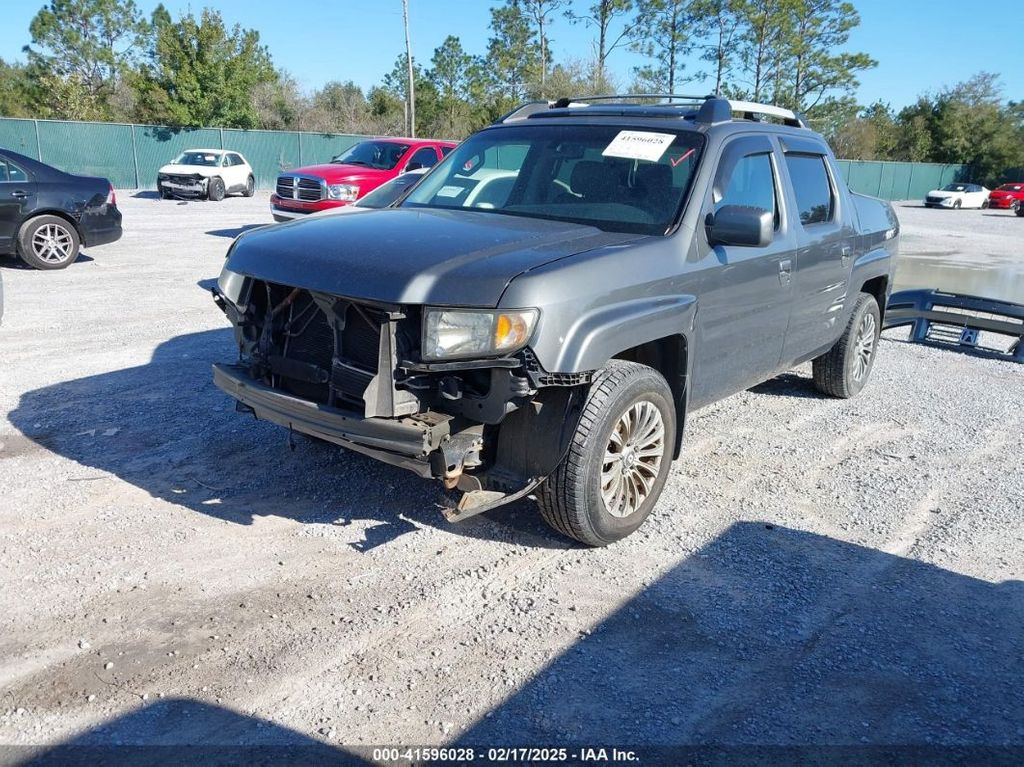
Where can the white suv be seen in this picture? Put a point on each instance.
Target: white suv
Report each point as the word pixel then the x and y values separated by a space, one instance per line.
pixel 209 173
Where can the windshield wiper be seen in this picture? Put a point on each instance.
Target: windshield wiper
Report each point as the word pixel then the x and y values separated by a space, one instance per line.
pixel 351 162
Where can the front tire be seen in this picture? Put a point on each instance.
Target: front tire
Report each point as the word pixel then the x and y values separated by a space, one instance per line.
pixel 956 204
pixel 215 190
pixel 843 370
pixel 48 242
pixel 619 458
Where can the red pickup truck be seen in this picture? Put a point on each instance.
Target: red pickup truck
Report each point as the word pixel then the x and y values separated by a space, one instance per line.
pixel 350 175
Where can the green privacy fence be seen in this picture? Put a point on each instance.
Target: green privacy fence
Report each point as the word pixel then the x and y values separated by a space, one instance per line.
pixel 900 180
pixel 129 155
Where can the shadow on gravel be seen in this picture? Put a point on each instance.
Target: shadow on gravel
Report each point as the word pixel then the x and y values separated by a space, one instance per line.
pixel 13 262
pixel 767 646
pixel 147 195
pixel 789 385
pixel 781 637
pixel 235 231
pixel 183 731
pixel 167 429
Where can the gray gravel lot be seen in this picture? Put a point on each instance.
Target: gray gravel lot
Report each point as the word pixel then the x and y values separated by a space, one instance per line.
pixel 818 571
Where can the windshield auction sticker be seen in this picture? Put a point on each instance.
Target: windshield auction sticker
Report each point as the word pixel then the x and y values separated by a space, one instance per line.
pixel 639 145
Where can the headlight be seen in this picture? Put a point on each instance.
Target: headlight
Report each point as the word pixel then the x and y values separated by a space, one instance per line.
pixel 342 192
pixel 230 285
pixel 459 333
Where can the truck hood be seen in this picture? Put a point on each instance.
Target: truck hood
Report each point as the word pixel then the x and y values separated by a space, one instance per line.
pixel 190 170
pixel 411 256
pixel 333 173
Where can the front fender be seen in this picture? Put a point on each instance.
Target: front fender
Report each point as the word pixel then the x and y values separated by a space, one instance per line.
pixel 598 335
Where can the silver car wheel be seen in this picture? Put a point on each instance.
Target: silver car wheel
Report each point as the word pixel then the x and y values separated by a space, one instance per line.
pixel 863 347
pixel 632 459
pixel 53 243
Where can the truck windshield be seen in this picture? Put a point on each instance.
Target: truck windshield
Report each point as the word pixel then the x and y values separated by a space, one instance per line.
pixel 382 155
pixel 616 179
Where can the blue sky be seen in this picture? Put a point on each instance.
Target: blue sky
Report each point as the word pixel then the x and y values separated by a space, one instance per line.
pixel 920 44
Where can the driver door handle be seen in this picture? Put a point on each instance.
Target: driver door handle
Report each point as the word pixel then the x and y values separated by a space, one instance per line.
pixel 20 194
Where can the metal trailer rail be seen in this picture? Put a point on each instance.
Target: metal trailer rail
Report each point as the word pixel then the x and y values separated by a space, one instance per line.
pixel 952 320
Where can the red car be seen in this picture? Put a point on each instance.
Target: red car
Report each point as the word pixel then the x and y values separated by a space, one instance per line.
pixel 1006 196
pixel 350 175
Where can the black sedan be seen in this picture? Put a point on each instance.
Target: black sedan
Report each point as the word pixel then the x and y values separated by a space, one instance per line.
pixel 47 215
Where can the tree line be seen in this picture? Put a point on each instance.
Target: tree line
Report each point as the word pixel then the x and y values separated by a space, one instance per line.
pixel 104 60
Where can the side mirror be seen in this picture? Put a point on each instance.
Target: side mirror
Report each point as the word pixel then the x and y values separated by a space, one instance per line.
pixel 741 225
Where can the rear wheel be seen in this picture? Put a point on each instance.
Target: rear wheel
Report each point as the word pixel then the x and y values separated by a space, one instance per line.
pixel 250 187
pixel 215 190
pixel 984 204
pixel 48 242
pixel 843 370
pixel 619 458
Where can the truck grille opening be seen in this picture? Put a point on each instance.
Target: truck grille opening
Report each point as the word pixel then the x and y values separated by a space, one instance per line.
pixel 312 364
pixel 299 188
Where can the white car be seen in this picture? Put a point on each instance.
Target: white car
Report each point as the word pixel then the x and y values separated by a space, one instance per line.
pixel 958 196
pixel 209 173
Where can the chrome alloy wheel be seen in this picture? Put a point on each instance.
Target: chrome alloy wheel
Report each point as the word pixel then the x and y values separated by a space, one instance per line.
pixel 632 459
pixel 863 348
pixel 52 243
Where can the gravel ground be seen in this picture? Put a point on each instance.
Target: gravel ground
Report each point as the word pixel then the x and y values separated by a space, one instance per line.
pixel 817 571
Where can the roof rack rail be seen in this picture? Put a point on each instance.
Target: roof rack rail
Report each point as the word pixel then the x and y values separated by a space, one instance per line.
pixel 663 96
pixel 713 109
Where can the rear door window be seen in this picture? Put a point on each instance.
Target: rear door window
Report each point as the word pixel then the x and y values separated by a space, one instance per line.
pixel 426 157
pixel 815 198
pixel 11 172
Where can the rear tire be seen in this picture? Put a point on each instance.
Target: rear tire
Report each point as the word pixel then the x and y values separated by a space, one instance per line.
pixel 48 242
pixel 215 190
pixel 250 187
pixel 843 370
pixel 619 458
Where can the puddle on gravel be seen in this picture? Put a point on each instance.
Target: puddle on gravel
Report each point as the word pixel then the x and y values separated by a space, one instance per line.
pixel 996 277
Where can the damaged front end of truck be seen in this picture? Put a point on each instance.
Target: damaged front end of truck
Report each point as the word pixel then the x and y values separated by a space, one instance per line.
pixel 355 373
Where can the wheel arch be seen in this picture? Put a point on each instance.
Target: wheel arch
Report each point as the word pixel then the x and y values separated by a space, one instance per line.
pixel 670 356
pixel 879 288
pixel 52 212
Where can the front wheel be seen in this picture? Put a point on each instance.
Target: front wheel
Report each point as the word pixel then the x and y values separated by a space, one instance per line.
pixel 215 191
pixel 619 458
pixel 843 370
pixel 956 204
pixel 48 242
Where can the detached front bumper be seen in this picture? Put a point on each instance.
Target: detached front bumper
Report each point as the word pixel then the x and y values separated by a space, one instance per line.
pixel 406 442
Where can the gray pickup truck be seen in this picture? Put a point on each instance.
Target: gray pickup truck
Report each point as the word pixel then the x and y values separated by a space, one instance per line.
pixel 541 313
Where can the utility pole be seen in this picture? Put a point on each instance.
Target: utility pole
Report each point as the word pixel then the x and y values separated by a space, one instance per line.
pixel 411 87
